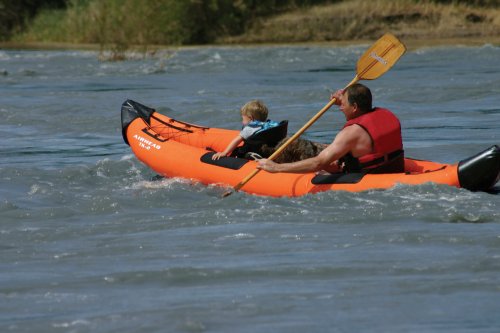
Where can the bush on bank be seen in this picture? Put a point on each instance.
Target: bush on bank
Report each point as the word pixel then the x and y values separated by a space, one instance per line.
pixel 164 22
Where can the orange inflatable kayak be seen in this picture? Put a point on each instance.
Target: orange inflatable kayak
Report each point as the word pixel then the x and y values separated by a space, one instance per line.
pixel 174 148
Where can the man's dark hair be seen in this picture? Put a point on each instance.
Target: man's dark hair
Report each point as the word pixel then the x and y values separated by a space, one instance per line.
pixel 361 95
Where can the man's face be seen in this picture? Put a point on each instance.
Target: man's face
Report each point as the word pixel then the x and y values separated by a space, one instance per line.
pixel 347 108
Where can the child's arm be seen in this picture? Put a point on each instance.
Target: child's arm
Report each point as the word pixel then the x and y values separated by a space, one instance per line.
pixel 236 141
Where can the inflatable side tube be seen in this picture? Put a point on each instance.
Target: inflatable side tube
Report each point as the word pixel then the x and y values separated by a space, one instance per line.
pixel 132 110
pixel 481 171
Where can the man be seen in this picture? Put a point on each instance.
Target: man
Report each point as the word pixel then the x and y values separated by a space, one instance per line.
pixel 370 141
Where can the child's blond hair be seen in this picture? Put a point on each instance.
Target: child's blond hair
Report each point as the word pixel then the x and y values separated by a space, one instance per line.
pixel 256 110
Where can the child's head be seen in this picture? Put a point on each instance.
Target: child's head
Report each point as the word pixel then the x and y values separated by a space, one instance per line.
pixel 255 110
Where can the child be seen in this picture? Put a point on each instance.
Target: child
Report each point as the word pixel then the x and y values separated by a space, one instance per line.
pixel 254 118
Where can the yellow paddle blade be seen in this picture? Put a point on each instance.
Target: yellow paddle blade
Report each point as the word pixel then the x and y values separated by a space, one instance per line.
pixel 380 57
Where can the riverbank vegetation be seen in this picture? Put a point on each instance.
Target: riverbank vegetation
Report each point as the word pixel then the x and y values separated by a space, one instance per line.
pixel 358 19
pixel 121 24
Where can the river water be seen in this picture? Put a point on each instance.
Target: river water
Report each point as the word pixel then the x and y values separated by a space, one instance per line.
pixel 90 243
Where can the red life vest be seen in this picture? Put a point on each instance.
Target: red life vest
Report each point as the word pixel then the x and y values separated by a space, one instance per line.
pixel 385 130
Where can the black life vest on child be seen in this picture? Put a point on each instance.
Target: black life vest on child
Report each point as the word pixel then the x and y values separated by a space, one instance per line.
pixel 268 135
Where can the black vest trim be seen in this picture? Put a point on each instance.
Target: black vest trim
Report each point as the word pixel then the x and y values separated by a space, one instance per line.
pixel 389 163
pixel 383 159
pixel 270 137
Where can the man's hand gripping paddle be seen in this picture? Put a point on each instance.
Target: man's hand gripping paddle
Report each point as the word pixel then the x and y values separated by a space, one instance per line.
pixel 377 60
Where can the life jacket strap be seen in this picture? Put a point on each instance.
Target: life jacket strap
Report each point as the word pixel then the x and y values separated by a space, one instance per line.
pixel 382 159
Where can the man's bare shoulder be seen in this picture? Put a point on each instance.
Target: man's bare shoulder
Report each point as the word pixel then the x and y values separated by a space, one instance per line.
pixel 354 131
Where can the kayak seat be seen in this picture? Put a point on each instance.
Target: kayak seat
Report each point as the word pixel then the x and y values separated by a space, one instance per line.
pixel 269 137
pixel 225 162
pixel 338 178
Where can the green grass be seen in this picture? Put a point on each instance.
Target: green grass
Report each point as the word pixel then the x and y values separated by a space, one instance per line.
pixel 48 26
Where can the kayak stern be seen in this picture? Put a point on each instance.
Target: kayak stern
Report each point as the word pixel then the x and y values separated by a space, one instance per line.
pixel 481 171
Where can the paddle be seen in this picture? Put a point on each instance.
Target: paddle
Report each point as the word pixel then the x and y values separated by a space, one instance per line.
pixel 377 60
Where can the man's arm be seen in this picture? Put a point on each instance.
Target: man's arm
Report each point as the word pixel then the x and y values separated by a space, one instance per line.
pixel 343 143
